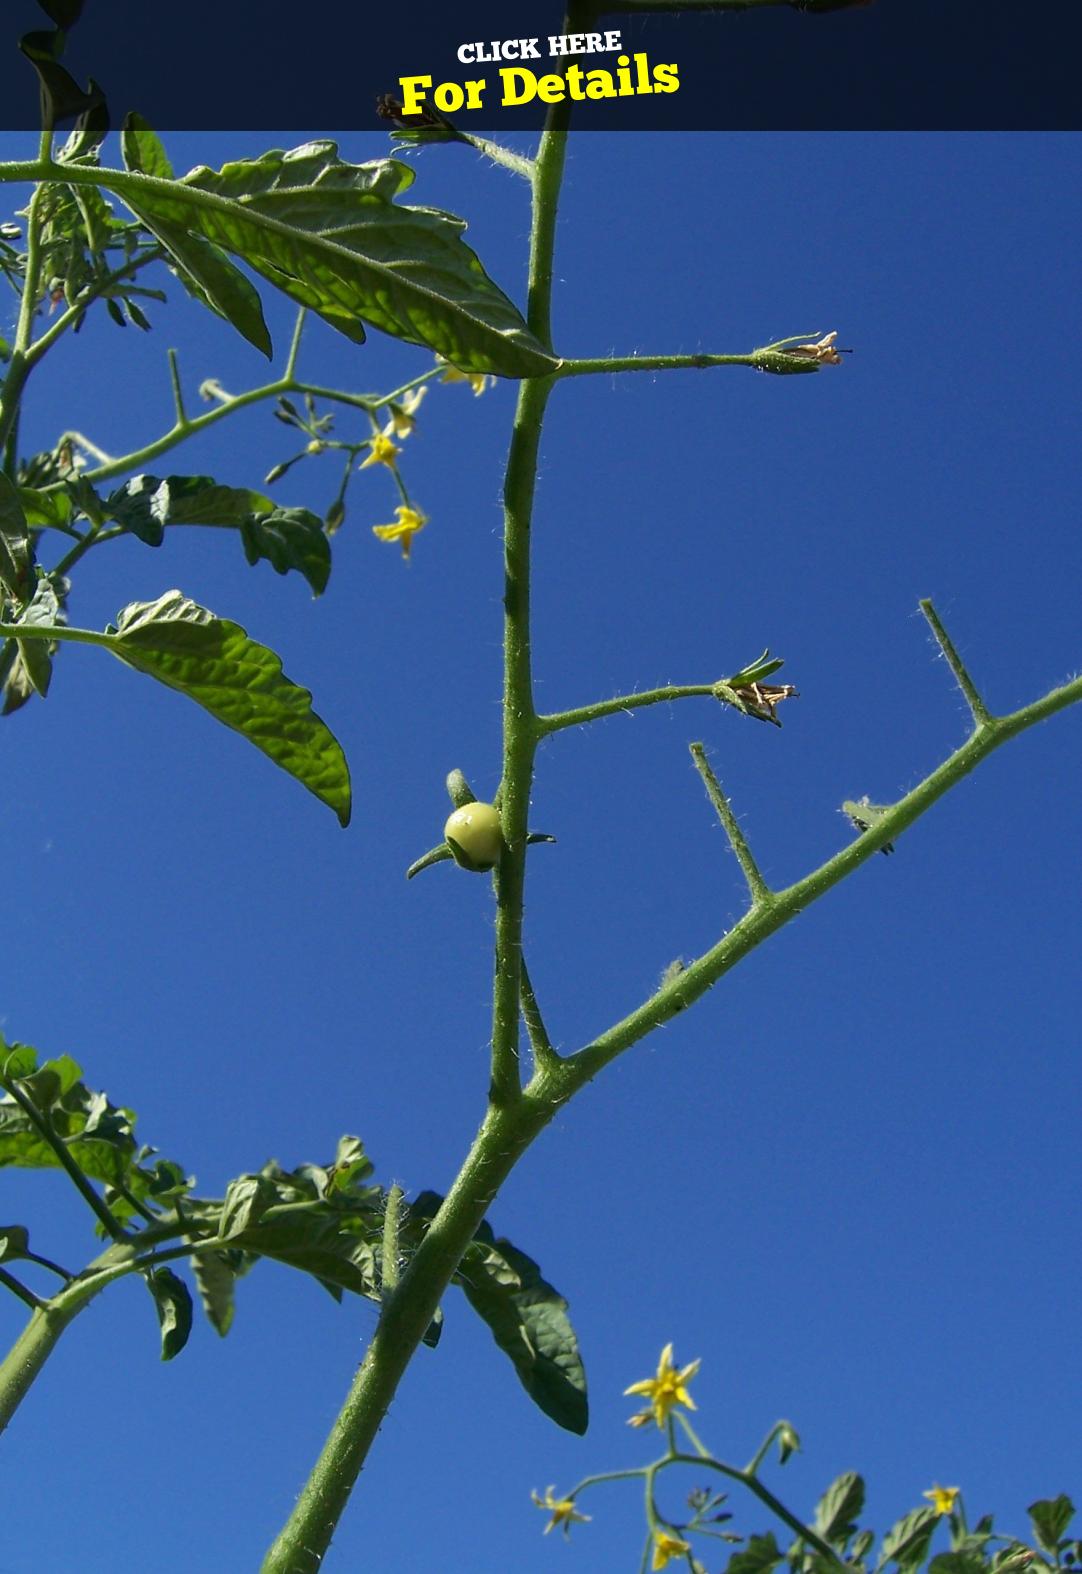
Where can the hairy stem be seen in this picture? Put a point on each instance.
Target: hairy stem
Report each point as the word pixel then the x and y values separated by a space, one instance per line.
pixel 513 1120
pixel 624 702
pixel 757 886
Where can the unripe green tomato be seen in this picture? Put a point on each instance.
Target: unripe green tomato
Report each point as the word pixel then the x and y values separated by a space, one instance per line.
pixel 474 836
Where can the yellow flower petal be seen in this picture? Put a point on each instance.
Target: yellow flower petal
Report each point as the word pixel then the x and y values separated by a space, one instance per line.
pixel 667 1389
pixel 408 523
pixel 478 381
pixel 383 452
pixel 562 1509
pixel 404 412
pixel 942 1499
pixel 666 1547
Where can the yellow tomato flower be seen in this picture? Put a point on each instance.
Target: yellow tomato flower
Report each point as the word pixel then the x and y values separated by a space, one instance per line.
pixel 478 381
pixel 403 414
pixel 942 1498
pixel 562 1509
pixel 383 452
pixel 409 522
pixel 667 1389
pixel 666 1547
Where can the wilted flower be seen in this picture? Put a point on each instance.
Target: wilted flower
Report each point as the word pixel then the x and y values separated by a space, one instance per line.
pixel 478 381
pixel 403 413
pixel 562 1509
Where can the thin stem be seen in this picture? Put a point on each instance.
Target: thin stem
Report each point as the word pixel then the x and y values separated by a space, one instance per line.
pixel 295 343
pixel 697 1444
pixel 178 392
pixel 515 162
pixel 757 886
pixel 592 366
pixel 43 1126
pixel 540 1043
pixel 9 1281
pixel 623 702
pixel 764 1447
pixel 19 363
pixel 45 342
pixel 53 1267
pixel 133 1202
pixel 766 1497
pixel 981 714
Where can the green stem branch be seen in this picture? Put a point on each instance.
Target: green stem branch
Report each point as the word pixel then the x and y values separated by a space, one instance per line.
pixel 979 710
pixel 757 925
pixel 757 886
pixel 540 1043
pixel 623 702
pixel 9 1281
pixel 513 1119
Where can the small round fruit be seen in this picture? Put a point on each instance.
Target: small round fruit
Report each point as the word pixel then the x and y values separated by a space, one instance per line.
pixel 474 836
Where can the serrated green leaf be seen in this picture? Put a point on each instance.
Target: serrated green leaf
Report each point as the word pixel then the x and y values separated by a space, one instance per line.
pixel 839 1508
pixel 289 538
pixel 906 1542
pixel 146 504
pixel 173 1302
pixel 246 1201
pixel 14 679
pixel 44 508
pixel 321 1243
pixel 240 682
pixel 66 1071
pixel 759 1556
pixel 1051 1517
pixel 142 148
pixel 958 1561
pixel 17 1060
pixel 215 1281
pixel 210 278
pixel 61 95
pixel 528 1320
pixel 43 611
pixel 330 235
pixel 862 1544
pixel 99 1135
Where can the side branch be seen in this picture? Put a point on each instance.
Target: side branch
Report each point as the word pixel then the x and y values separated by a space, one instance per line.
pixel 980 712
pixel 624 702
pixel 761 922
pixel 798 353
pixel 759 890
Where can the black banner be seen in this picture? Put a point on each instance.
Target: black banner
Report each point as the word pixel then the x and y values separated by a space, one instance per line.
pixel 791 65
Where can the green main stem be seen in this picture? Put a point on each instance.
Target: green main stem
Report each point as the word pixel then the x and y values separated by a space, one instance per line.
pixel 514 1118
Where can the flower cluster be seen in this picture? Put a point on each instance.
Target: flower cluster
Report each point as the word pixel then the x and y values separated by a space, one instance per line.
pixel 830 1538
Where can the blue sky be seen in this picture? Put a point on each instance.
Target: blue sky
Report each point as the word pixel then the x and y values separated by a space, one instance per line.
pixel 848 1178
